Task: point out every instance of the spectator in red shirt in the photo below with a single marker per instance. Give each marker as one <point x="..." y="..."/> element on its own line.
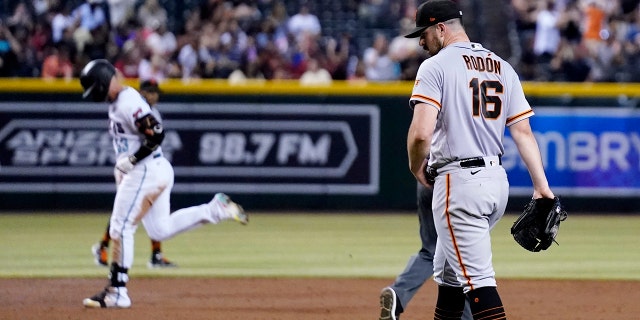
<point x="58" y="64"/>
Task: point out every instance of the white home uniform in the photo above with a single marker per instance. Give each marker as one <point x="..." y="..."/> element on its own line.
<point x="144" y="192"/>
<point x="477" y="95"/>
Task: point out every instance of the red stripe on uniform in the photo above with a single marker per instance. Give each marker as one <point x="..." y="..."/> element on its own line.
<point x="453" y="237"/>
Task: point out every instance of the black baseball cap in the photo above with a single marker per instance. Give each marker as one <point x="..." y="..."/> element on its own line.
<point x="150" y="86"/>
<point x="432" y="12"/>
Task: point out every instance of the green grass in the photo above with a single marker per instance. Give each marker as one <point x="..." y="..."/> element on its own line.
<point x="311" y="245"/>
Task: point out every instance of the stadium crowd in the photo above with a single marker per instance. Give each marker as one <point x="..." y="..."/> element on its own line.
<point x="314" y="41"/>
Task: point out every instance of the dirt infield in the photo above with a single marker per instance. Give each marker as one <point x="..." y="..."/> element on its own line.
<point x="302" y="299"/>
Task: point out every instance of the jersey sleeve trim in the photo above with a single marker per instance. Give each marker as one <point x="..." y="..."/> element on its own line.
<point x="418" y="97"/>
<point x="519" y="117"/>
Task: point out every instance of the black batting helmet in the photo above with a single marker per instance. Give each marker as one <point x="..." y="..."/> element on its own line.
<point x="96" y="78"/>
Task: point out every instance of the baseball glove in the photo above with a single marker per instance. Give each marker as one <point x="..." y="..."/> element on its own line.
<point x="538" y="225"/>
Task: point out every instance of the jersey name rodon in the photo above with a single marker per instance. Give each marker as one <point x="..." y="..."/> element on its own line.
<point x="482" y="64"/>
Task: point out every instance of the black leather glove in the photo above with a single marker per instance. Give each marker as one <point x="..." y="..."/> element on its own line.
<point x="430" y="174"/>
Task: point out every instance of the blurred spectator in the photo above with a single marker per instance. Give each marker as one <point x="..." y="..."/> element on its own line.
<point x="359" y="75"/>
<point x="120" y="11"/>
<point x="272" y="64"/>
<point x="250" y="62"/>
<point x="547" y="38"/>
<point x="40" y="37"/>
<point x="402" y="48"/>
<point x="594" y="18"/>
<point x="524" y="14"/>
<point x="246" y="13"/>
<point x="62" y="20"/>
<point x="405" y="52"/>
<point x="93" y="24"/>
<point x="315" y="75"/>
<point x="188" y="58"/>
<point x="161" y="41"/>
<point x="337" y="56"/>
<point x="631" y="52"/>
<point x="233" y="42"/>
<point x="378" y="64"/>
<point x="21" y="18"/>
<point x="173" y="69"/>
<point x="211" y="10"/>
<point x="58" y="63"/>
<point x="593" y="40"/>
<point x="304" y="22"/>
<point x="278" y="15"/>
<point x="18" y="30"/>
<point x="299" y="55"/>
<point x="29" y="59"/>
<point x="375" y="13"/>
<point x="10" y="48"/>
<point x="128" y="61"/>
<point x="191" y="28"/>
<point x="226" y="62"/>
<point x="151" y="14"/>
<point x="153" y="68"/>
<point x="571" y="64"/>
<point x="237" y="77"/>
<point x="41" y="7"/>
<point x="270" y="33"/>
<point x="274" y="28"/>
<point x="527" y="67"/>
<point x="209" y="49"/>
<point x="569" y="22"/>
<point x="608" y="61"/>
<point x="126" y="32"/>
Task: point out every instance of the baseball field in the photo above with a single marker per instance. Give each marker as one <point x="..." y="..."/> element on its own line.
<point x="308" y="266"/>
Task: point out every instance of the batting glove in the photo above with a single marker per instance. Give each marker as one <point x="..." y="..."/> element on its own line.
<point x="126" y="164"/>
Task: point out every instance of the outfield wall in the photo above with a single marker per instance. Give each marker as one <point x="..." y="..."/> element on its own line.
<point x="280" y="146"/>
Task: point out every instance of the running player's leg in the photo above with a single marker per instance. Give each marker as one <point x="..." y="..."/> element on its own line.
<point x="162" y="224"/>
<point x="123" y="224"/>
<point x="127" y="208"/>
<point x="104" y="242"/>
<point x="158" y="260"/>
<point x="156" y="246"/>
<point x="100" y="250"/>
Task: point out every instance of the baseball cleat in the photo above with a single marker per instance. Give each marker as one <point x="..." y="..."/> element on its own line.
<point x="110" y="297"/>
<point x="159" y="261"/>
<point x="388" y="304"/>
<point x="100" y="255"/>
<point x="233" y="210"/>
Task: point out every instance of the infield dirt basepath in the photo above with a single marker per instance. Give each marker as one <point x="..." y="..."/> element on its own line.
<point x="303" y="299"/>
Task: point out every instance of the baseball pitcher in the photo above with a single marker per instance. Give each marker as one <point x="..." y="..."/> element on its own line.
<point x="463" y="99"/>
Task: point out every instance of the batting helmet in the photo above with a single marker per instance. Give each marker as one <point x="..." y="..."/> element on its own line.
<point x="96" y="78"/>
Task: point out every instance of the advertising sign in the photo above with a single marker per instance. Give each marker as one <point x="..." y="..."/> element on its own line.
<point x="256" y="148"/>
<point x="586" y="152"/>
